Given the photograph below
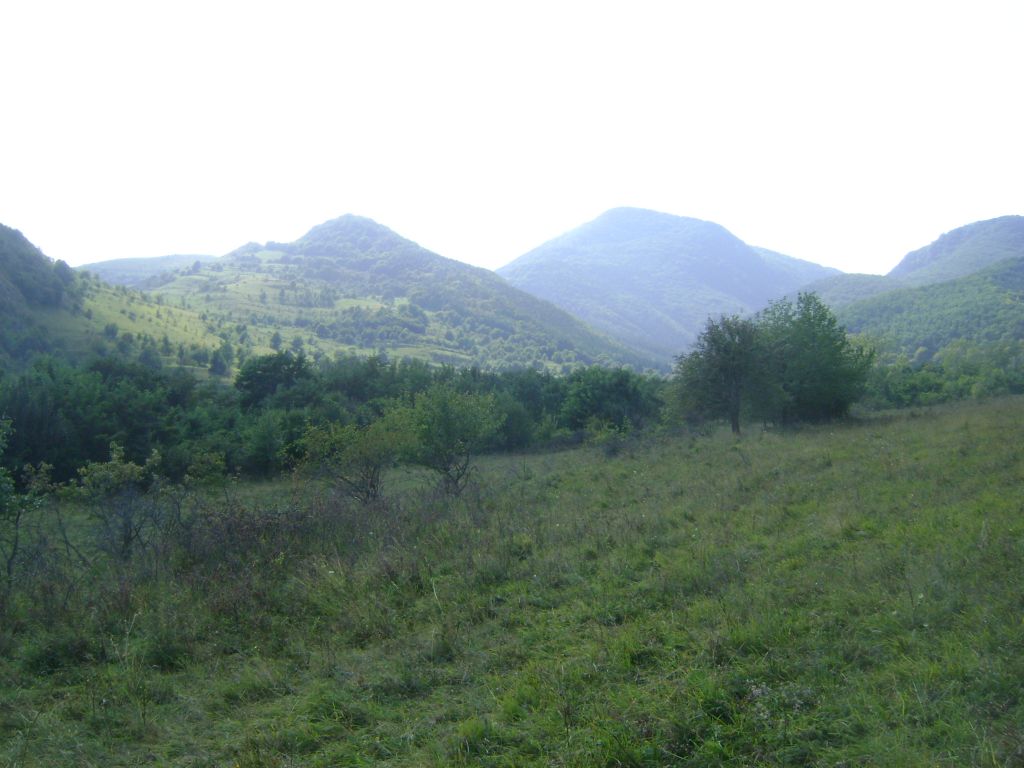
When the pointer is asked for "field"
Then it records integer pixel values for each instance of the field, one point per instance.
(849, 595)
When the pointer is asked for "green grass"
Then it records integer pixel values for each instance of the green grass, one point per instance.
(836, 596)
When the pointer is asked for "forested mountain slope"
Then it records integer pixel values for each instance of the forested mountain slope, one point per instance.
(986, 306)
(961, 252)
(652, 279)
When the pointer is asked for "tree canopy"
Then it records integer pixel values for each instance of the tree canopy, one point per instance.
(791, 362)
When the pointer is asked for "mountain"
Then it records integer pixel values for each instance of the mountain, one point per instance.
(652, 279)
(142, 272)
(968, 285)
(351, 285)
(963, 251)
(27, 277)
(46, 307)
(984, 307)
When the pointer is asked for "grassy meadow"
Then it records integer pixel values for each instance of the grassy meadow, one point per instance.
(847, 595)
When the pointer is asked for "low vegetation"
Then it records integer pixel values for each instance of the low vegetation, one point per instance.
(838, 595)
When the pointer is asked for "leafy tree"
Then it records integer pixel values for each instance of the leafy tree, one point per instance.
(716, 378)
(218, 365)
(264, 376)
(115, 494)
(449, 427)
(612, 396)
(355, 457)
(790, 363)
(817, 372)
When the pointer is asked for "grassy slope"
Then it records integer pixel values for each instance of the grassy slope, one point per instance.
(461, 315)
(847, 595)
(131, 312)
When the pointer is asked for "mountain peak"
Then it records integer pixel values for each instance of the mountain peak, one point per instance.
(651, 279)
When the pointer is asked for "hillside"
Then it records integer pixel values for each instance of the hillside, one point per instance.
(849, 595)
(963, 251)
(142, 272)
(48, 308)
(839, 290)
(652, 279)
(983, 307)
(959, 253)
(352, 285)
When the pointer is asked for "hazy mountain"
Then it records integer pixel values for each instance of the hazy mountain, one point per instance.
(352, 285)
(652, 279)
(963, 251)
(967, 285)
(142, 272)
(840, 290)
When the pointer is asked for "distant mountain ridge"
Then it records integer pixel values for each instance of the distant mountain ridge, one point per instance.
(963, 251)
(652, 279)
(142, 272)
(353, 285)
(968, 285)
(958, 253)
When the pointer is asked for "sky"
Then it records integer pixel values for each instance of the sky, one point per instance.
(845, 133)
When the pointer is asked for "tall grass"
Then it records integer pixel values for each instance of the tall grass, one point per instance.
(843, 595)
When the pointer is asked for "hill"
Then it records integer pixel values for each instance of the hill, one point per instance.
(963, 251)
(964, 287)
(652, 279)
(352, 285)
(28, 278)
(987, 306)
(142, 272)
(48, 308)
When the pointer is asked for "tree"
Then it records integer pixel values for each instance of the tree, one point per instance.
(115, 494)
(356, 457)
(612, 396)
(449, 427)
(817, 372)
(716, 378)
(10, 522)
(261, 377)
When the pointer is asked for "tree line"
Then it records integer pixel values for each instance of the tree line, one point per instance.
(791, 363)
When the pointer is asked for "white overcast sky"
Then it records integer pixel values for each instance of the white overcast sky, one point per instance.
(846, 133)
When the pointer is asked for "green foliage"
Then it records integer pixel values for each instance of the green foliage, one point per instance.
(818, 597)
(614, 396)
(271, 375)
(815, 372)
(790, 363)
(714, 378)
(356, 457)
(6, 484)
(113, 491)
(450, 428)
